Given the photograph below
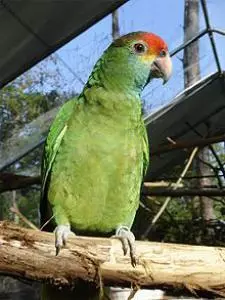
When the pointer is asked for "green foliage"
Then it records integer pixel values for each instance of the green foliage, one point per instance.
(19, 107)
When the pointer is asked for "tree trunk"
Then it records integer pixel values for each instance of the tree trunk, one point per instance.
(30, 254)
(202, 206)
(115, 25)
(207, 210)
(191, 53)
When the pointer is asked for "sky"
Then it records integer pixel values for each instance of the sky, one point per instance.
(164, 18)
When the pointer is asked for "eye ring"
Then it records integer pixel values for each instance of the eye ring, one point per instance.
(162, 53)
(139, 48)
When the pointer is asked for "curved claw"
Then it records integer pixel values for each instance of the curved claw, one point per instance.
(61, 235)
(127, 239)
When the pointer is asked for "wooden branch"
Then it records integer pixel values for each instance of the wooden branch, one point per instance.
(30, 254)
(202, 142)
(179, 192)
(10, 181)
(161, 184)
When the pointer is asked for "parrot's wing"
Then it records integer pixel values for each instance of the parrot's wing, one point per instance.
(55, 135)
(145, 151)
(52, 144)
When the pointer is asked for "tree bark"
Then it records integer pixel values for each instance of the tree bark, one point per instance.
(191, 76)
(30, 254)
(115, 25)
(207, 209)
(191, 53)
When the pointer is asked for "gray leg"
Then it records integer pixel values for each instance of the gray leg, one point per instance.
(61, 235)
(127, 239)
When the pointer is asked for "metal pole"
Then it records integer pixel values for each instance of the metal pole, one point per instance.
(199, 35)
(186, 44)
(219, 31)
(210, 33)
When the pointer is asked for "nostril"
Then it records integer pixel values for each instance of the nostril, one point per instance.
(162, 53)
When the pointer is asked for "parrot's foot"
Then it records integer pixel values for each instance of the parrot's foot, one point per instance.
(61, 235)
(127, 239)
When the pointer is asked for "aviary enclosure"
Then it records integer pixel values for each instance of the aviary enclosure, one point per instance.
(179, 226)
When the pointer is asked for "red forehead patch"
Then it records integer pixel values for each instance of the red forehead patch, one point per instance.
(154, 40)
(151, 39)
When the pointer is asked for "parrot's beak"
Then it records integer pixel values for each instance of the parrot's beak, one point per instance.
(162, 68)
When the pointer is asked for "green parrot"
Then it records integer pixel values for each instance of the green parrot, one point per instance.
(96, 153)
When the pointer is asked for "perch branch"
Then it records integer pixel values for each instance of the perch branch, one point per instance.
(30, 255)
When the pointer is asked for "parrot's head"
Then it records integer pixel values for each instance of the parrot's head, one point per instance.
(131, 61)
(148, 52)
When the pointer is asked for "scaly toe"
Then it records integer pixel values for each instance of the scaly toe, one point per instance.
(61, 235)
(127, 239)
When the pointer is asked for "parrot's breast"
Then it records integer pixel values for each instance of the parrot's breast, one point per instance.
(97, 174)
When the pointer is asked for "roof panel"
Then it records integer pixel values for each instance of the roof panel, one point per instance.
(198, 111)
(31, 30)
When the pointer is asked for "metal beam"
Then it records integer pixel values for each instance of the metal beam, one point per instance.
(210, 33)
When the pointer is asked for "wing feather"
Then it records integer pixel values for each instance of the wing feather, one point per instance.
(52, 145)
(145, 151)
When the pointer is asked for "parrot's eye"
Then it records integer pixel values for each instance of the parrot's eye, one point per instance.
(139, 48)
(162, 53)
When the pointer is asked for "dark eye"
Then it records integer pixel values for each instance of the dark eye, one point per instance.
(139, 48)
(162, 53)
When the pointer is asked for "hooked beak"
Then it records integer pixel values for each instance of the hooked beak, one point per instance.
(162, 68)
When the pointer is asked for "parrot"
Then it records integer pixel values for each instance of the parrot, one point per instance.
(96, 153)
